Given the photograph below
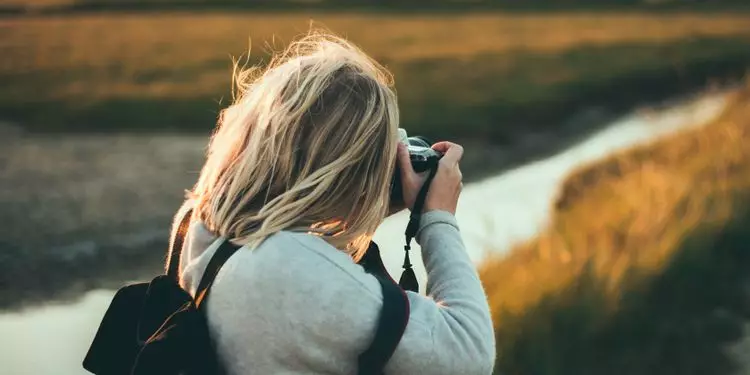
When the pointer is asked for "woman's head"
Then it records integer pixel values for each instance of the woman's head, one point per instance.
(308, 145)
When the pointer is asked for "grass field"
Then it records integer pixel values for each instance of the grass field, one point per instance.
(433, 6)
(495, 75)
(643, 268)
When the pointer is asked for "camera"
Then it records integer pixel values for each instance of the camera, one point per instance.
(422, 157)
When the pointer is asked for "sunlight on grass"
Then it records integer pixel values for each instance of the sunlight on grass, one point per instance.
(643, 263)
(172, 70)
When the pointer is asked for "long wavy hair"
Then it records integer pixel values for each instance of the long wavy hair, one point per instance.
(309, 144)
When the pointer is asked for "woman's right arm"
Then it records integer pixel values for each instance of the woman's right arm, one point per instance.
(455, 314)
(455, 309)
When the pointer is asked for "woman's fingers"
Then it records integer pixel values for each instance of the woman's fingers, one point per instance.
(411, 182)
(404, 162)
(447, 184)
(452, 152)
(442, 146)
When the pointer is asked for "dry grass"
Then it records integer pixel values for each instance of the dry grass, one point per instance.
(448, 68)
(125, 50)
(644, 262)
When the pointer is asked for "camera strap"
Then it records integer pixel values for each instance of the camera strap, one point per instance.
(408, 280)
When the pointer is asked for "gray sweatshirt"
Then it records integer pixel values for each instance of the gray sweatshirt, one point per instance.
(297, 305)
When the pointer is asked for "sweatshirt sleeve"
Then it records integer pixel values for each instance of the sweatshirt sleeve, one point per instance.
(455, 313)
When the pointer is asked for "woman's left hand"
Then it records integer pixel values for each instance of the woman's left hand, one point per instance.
(411, 181)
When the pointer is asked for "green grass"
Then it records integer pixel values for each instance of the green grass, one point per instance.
(483, 76)
(643, 267)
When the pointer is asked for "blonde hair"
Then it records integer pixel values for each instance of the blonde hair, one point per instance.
(309, 144)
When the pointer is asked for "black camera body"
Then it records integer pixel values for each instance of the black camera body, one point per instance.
(422, 157)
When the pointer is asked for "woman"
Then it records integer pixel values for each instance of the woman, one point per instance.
(298, 173)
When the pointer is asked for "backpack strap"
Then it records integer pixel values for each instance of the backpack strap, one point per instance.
(394, 317)
(222, 254)
(176, 243)
(373, 263)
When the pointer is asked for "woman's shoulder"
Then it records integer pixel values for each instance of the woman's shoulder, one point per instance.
(299, 261)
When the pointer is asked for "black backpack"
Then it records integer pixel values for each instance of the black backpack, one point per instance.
(159, 328)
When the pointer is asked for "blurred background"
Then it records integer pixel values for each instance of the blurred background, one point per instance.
(607, 154)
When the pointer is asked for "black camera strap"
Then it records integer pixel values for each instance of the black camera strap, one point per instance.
(408, 279)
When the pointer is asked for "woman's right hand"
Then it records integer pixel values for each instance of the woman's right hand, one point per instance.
(447, 184)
